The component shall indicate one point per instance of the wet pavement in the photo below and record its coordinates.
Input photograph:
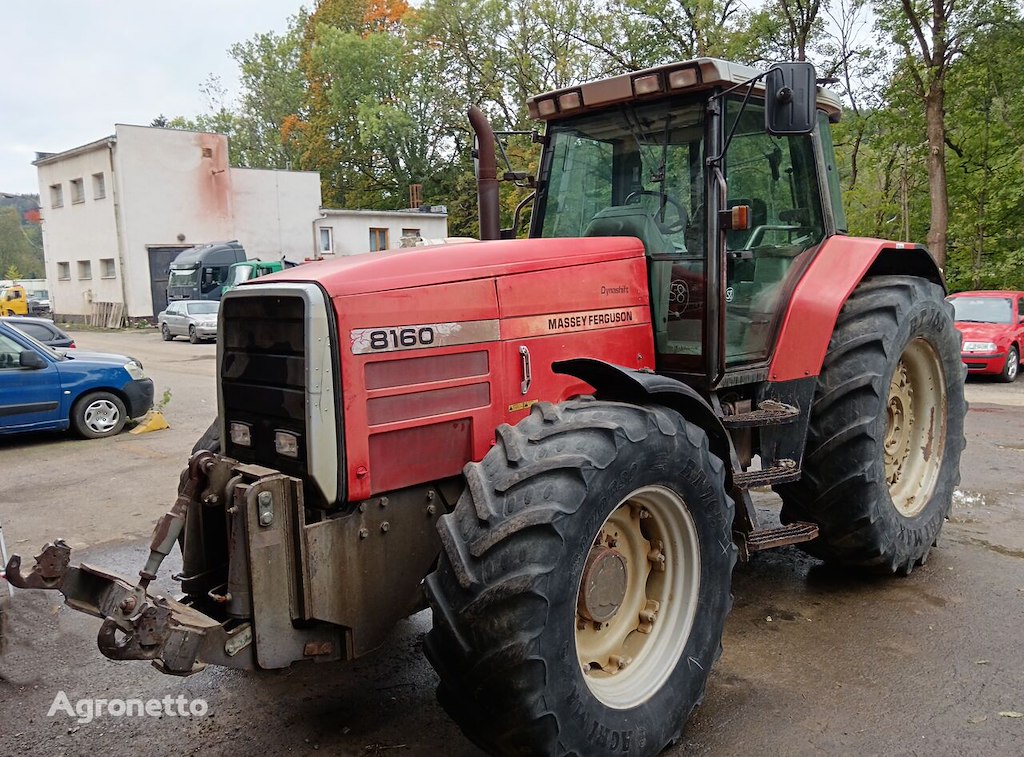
(814, 661)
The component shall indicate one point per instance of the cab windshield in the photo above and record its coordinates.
(635, 170)
(239, 273)
(183, 277)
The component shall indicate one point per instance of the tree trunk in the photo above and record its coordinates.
(935, 120)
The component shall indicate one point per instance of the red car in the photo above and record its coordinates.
(992, 325)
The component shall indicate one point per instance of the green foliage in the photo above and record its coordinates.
(165, 400)
(373, 95)
(20, 246)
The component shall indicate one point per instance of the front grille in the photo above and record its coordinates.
(263, 376)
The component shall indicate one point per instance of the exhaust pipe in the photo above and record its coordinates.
(486, 175)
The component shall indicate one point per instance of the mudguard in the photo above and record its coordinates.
(614, 382)
(839, 266)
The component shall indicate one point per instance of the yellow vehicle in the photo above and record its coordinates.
(13, 300)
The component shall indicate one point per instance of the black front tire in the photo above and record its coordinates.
(508, 634)
(886, 430)
(193, 336)
(165, 332)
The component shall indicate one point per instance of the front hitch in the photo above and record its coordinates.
(138, 625)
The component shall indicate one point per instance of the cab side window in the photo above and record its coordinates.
(1020, 309)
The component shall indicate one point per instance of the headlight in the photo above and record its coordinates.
(979, 347)
(241, 434)
(134, 369)
(286, 444)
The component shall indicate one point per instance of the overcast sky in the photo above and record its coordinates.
(71, 69)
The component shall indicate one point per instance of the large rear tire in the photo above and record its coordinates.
(585, 578)
(886, 429)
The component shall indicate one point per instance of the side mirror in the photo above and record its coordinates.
(30, 359)
(790, 99)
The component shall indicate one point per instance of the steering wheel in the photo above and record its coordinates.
(664, 228)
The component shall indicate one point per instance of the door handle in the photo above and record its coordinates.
(524, 353)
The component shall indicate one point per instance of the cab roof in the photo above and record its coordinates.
(674, 78)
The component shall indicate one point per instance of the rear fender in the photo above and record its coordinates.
(839, 266)
(614, 382)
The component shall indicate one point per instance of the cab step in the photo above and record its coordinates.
(768, 413)
(780, 536)
(783, 471)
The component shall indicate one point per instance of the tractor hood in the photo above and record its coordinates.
(439, 264)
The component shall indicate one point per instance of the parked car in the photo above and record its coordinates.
(42, 329)
(992, 326)
(39, 302)
(42, 389)
(196, 319)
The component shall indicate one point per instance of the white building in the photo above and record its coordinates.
(117, 211)
(352, 232)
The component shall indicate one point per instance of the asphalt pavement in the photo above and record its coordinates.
(815, 661)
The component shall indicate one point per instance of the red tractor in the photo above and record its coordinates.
(552, 440)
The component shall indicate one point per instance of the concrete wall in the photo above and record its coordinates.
(274, 212)
(350, 229)
(175, 188)
(80, 231)
(164, 188)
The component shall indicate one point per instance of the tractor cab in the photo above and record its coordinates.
(683, 157)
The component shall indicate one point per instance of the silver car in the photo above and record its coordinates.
(196, 319)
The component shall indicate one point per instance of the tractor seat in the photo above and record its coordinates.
(629, 221)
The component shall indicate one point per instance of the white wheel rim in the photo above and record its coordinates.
(627, 659)
(1012, 362)
(101, 416)
(915, 436)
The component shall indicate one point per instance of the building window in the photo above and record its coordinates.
(56, 196)
(84, 270)
(378, 239)
(107, 270)
(77, 191)
(99, 186)
(326, 240)
(63, 271)
(410, 232)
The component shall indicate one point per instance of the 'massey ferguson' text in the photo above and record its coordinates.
(589, 320)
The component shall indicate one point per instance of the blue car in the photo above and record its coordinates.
(44, 390)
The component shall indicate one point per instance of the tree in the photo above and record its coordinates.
(16, 249)
(986, 162)
(931, 34)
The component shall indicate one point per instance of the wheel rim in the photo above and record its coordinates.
(101, 416)
(1012, 364)
(915, 428)
(637, 597)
